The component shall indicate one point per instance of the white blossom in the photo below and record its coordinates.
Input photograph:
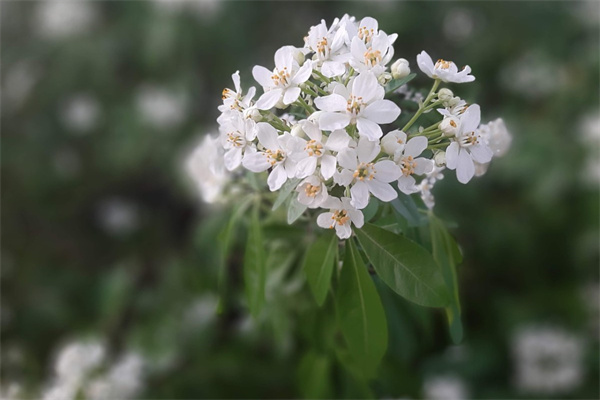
(234, 99)
(206, 167)
(400, 68)
(360, 103)
(237, 134)
(312, 192)
(411, 164)
(447, 71)
(317, 151)
(340, 217)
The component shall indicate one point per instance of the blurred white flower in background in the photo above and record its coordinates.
(117, 216)
(548, 360)
(122, 381)
(203, 9)
(459, 24)
(160, 107)
(589, 134)
(56, 19)
(590, 296)
(533, 76)
(80, 113)
(201, 311)
(206, 166)
(18, 82)
(587, 11)
(444, 388)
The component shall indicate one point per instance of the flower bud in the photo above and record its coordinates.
(298, 131)
(384, 78)
(299, 56)
(445, 94)
(449, 126)
(454, 101)
(400, 68)
(253, 113)
(440, 158)
(394, 140)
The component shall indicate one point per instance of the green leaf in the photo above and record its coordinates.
(371, 209)
(396, 83)
(404, 266)
(406, 207)
(295, 210)
(255, 269)
(285, 192)
(361, 315)
(319, 263)
(314, 376)
(447, 254)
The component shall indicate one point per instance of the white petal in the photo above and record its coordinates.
(367, 150)
(406, 184)
(360, 195)
(330, 121)
(256, 162)
(303, 73)
(236, 81)
(424, 166)
(383, 191)
(343, 231)
(415, 146)
(328, 163)
(284, 58)
(387, 171)
(347, 158)
(358, 49)
(343, 178)
(425, 63)
(465, 168)
(381, 111)
(338, 140)
(357, 217)
(262, 76)
(332, 69)
(267, 135)
(366, 86)
(277, 178)
(481, 153)
(233, 158)
(470, 119)
(369, 129)
(312, 131)
(331, 103)
(325, 220)
(306, 167)
(290, 95)
(452, 155)
(333, 203)
(269, 99)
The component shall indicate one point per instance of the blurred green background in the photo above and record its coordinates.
(104, 236)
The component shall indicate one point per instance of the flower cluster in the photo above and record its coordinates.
(323, 124)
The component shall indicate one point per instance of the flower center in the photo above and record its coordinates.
(408, 165)
(341, 217)
(372, 58)
(365, 34)
(355, 105)
(469, 139)
(275, 156)
(311, 191)
(314, 148)
(226, 94)
(236, 139)
(281, 78)
(442, 64)
(322, 48)
(364, 171)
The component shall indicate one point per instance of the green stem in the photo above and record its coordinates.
(349, 76)
(436, 83)
(317, 88)
(320, 75)
(305, 105)
(309, 91)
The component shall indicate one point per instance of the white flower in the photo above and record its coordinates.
(234, 99)
(468, 146)
(445, 388)
(281, 84)
(276, 155)
(315, 151)
(375, 57)
(206, 167)
(312, 192)
(496, 136)
(410, 164)
(365, 176)
(547, 360)
(81, 113)
(400, 68)
(447, 71)
(327, 45)
(393, 141)
(237, 135)
(56, 19)
(340, 216)
(161, 107)
(360, 103)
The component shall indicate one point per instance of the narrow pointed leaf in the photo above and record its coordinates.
(295, 210)
(255, 269)
(404, 266)
(319, 263)
(314, 380)
(285, 192)
(396, 83)
(361, 315)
